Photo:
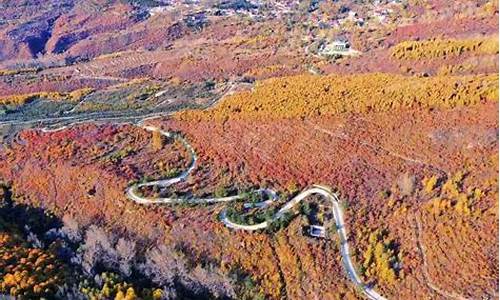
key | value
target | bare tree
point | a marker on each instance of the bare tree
(98, 248)
(166, 266)
(125, 250)
(71, 229)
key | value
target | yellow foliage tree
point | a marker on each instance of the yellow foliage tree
(21, 99)
(28, 272)
(441, 48)
(429, 184)
(309, 96)
(379, 258)
(157, 140)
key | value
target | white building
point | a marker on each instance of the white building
(337, 47)
(317, 231)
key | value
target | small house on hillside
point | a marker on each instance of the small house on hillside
(317, 231)
(196, 20)
(336, 47)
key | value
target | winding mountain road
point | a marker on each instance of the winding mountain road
(132, 193)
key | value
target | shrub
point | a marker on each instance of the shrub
(220, 192)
